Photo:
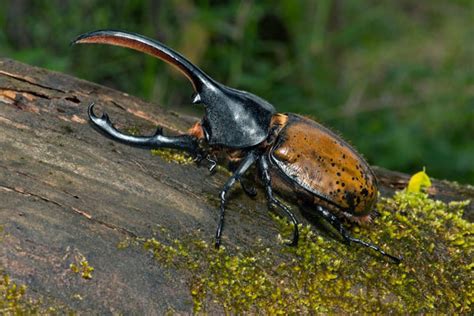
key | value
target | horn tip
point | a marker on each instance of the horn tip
(196, 99)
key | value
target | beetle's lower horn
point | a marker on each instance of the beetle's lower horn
(158, 140)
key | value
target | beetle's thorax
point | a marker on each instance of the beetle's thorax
(277, 122)
(234, 118)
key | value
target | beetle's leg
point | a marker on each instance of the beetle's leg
(213, 164)
(334, 221)
(183, 142)
(248, 189)
(267, 181)
(247, 162)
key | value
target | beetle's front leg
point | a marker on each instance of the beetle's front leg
(158, 140)
(248, 189)
(247, 162)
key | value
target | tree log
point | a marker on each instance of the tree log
(66, 193)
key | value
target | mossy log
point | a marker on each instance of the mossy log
(69, 197)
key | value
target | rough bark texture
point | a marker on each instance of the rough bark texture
(66, 192)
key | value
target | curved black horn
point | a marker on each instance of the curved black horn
(227, 109)
(149, 46)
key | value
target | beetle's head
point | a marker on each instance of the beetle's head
(233, 118)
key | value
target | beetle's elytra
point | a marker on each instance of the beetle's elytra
(293, 154)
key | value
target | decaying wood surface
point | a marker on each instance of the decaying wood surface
(68, 192)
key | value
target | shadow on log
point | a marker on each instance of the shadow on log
(69, 195)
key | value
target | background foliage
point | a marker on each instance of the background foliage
(396, 78)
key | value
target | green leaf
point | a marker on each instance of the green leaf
(419, 181)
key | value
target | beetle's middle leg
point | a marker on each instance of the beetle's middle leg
(334, 221)
(185, 142)
(267, 182)
(247, 162)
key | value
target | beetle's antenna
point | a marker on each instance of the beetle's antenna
(147, 45)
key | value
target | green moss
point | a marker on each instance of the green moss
(172, 155)
(169, 155)
(14, 300)
(83, 268)
(133, 130)
(12, 296)
(325, 276)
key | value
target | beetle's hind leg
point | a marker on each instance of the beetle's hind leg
(247, 162)
(264, 169)
(334, 221)
(158, 140)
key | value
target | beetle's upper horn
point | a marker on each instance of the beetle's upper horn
(146, 45)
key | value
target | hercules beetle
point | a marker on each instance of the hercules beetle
(293, 154)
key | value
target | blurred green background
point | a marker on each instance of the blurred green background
(396, 78)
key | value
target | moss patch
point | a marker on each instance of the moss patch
(167, 154)
(83, 268)
(14, 299)
(172, 155)
(323, 275)
(132, 130)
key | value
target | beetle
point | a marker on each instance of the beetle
(294, 155)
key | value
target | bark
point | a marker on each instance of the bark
(67, 192)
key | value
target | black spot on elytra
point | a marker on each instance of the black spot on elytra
(350, 199)
(364, 192)
(338, 174)
(332, 164)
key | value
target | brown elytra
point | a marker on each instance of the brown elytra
(325, 166)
